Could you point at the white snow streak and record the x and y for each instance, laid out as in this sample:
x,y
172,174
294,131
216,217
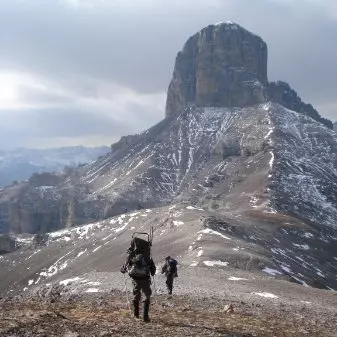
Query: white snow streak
x,y
216,263
271,161
271,271
178,223
70,280
233,278
264,294
212,232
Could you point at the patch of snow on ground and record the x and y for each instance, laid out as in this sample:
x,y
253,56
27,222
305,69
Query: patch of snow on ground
x,y
286,269
194,208
96,249
33,254
92,290
269,133
178,223
264,294
211,231
271,161
70,280
200,252
134,214
300,281
30,282
54,268
271,271
23,240
121,228
107,237
59,234
308,235
93,283
194,264
216,263
81,253
233,278
305,247
199,237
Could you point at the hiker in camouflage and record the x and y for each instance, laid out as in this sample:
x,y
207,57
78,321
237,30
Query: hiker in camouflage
x,y
170,271
139,268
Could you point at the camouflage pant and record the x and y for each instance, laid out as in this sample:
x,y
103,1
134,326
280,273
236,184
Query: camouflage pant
x,y
169,283
140,286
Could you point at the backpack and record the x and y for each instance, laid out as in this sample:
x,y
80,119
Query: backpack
x,y
139,258
171,266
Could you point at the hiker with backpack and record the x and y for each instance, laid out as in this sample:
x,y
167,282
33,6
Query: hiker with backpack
x,y
170,271
140,266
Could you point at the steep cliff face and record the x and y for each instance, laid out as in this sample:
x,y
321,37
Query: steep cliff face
x,y
225,65
222,65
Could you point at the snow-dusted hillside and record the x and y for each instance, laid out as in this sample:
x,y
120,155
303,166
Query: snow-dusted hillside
x,y
252,188
19,164
243,246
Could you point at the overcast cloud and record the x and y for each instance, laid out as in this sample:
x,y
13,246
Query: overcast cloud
x,y
87,72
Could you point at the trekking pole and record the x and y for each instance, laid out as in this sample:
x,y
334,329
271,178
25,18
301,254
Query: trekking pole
x,y
155,289
126,293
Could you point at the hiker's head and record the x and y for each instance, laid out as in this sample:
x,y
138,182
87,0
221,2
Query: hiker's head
x,y
168,258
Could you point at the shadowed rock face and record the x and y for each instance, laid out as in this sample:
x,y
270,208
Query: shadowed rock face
x,y
222,65
225,65
281,93
7,244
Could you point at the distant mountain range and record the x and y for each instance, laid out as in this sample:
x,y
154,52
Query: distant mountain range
x,y
19,164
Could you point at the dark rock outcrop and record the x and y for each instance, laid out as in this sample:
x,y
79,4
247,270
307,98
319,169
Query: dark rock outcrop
x,y
335,126
281,93
222,65
7,244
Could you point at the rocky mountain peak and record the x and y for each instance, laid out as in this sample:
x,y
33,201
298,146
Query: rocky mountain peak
x,y
223,65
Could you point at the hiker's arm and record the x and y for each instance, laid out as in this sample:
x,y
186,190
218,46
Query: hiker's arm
x,y
125,265
163,269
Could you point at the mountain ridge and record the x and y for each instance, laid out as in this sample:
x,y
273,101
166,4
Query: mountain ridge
x,y
20,163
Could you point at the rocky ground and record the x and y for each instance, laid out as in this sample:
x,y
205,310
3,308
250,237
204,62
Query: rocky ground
x,y
97,315
262,307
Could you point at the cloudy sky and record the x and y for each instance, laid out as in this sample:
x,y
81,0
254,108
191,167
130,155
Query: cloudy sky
x,y
88,71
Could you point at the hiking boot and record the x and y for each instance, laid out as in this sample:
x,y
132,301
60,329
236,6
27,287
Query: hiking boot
x,y
146,307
